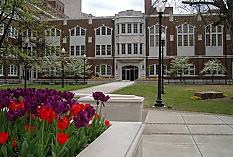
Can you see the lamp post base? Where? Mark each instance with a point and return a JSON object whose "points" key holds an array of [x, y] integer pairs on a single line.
{"points": [[159, 103]]}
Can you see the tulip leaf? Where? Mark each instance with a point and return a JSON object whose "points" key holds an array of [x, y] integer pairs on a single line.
{"points": [[24, 148], [4, 151]]}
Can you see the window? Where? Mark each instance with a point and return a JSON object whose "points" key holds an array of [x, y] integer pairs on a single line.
{"points": [[109, 49], [118, 48], [103, 30], [12, 70], [77, 31], [154, 35], [185, 35], [77, 50], [103, 50], [122, 48], [97, 31], [72, 50], [97, 70], [135, 28], [141, 48], [109, 31], [109, 70], [103, 70], [129, 48], [189, 71], [53, 32], [118, 29], [1, 70], [82, 32], [97, 50], [82, 50], [141, 28], [12, 32], [154, 69], [214, 35], [129, 28], [135, 48], [123, 28]]}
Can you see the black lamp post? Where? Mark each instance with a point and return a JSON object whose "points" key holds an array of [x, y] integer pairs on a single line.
{"points": [[25, 64], [63, 51], [163, 44], [160, 10], [84, 69]]}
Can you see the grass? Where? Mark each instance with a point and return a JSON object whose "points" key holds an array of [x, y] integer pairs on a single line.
{"points": [[178, 97], [57, 87]]}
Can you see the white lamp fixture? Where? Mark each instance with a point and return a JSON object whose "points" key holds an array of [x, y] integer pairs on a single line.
{"points": [[163, 36], [160, 7], [63, 50], [84, 55]]}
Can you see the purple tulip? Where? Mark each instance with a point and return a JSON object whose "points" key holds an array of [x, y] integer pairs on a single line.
{"points": [[81, 119], [68, 95], [90, 111]]}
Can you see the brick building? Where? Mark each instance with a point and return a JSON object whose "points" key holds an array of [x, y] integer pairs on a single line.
{"points": [[125, 46]]}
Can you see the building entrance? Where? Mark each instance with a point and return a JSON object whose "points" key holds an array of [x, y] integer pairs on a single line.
{"points": [[129, 73]]}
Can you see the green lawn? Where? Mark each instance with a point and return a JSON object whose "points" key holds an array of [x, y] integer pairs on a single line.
{"points": [[57, 87], [178, 97]]}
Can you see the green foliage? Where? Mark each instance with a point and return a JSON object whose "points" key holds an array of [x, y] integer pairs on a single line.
{"points": [[213, 66], [179, 65]]}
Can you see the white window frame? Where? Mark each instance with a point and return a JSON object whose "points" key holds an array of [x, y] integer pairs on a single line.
{"points": [[155, 71], [79, 33], [216, 33], [108, 70], [188, 34], [155, 35], [81, 50], [12, 70]]}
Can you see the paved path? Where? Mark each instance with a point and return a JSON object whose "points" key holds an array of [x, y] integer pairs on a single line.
{"points": [[106, 88], [180, 134]]}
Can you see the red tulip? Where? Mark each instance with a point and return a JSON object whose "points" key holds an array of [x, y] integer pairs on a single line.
{"points": [[3, 137], [14, 143], [62, 138], [75, 109], [15, 106], [89, 125], [45, 113], [107, 123], [63, 123]]}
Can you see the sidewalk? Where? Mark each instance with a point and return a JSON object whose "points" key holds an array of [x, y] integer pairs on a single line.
{"points": [[183, 134], [105, 88]]}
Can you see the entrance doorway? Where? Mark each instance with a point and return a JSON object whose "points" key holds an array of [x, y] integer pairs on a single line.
{"points": [[129, 73]]}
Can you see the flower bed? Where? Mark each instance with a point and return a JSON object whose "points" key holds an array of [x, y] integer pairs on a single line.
{"points": [[47, 122]]}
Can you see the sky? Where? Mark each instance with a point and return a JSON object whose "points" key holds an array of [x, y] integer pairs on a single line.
{"points": [[110, 7]]}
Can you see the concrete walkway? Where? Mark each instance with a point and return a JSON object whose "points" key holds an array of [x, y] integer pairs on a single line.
{"points": [[183, 134], [105, 88]]}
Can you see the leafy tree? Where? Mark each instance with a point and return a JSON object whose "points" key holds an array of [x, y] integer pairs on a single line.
{"points": [[75, 67], [179, 66], [12, 11], [212, 67], [224, 10], [51, 66]]}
